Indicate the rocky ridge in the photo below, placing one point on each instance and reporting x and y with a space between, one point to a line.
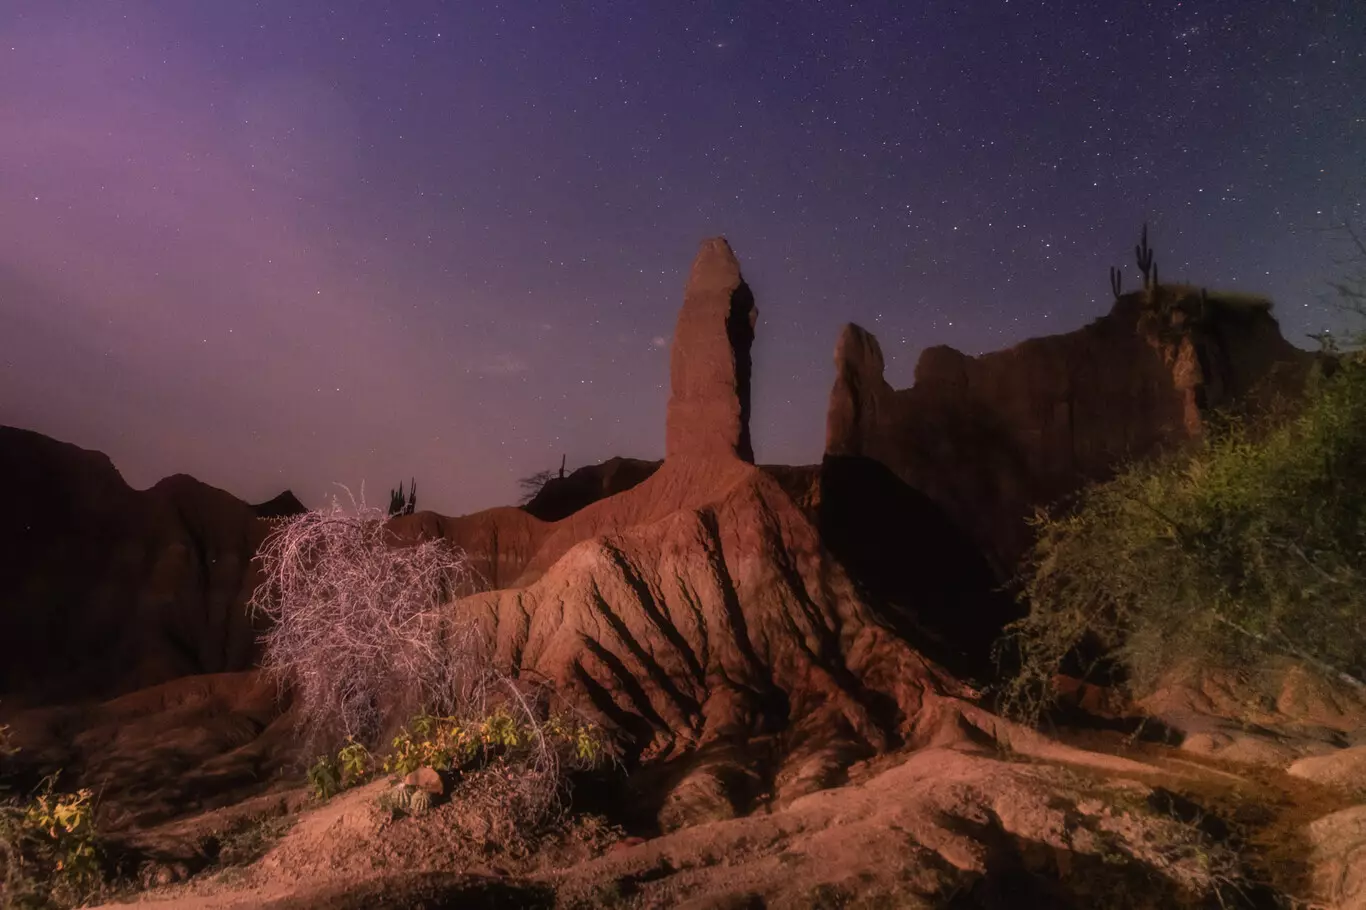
989 438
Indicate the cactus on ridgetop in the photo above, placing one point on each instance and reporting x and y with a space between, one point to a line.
1144 254
1116 281
399 504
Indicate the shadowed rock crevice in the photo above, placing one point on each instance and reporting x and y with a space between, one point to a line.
683 708
730 602
929 578
625 681
648 599
740 332
637 728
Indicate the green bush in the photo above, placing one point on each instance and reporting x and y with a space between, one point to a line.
448 743
1249 548
535 750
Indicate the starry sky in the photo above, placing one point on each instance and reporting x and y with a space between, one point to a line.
300 244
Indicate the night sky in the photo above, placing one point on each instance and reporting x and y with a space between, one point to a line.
292 244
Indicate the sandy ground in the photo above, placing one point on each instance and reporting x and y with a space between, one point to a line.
1120 823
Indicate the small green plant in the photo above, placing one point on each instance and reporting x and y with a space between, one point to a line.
325 778
512 756
585 739
49 849
355 763
445 743
430 742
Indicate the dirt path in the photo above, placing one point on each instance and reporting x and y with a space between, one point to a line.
1265 810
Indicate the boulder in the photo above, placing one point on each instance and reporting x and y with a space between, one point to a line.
1338 858
428 779
1343 768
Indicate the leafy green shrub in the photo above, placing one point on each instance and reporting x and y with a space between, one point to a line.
49 850
352 765
535 751
446 743
356 763
1248 548
324 777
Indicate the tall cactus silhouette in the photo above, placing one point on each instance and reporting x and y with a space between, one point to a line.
1116 281
1144 254
401 505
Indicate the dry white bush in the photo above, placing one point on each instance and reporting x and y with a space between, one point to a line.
365 634
362 623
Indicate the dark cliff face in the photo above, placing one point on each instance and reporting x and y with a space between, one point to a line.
106 588
989 438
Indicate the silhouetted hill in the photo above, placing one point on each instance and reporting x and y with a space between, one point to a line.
563 496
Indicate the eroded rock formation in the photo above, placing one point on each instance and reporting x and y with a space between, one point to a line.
699 614
988 438
710 362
